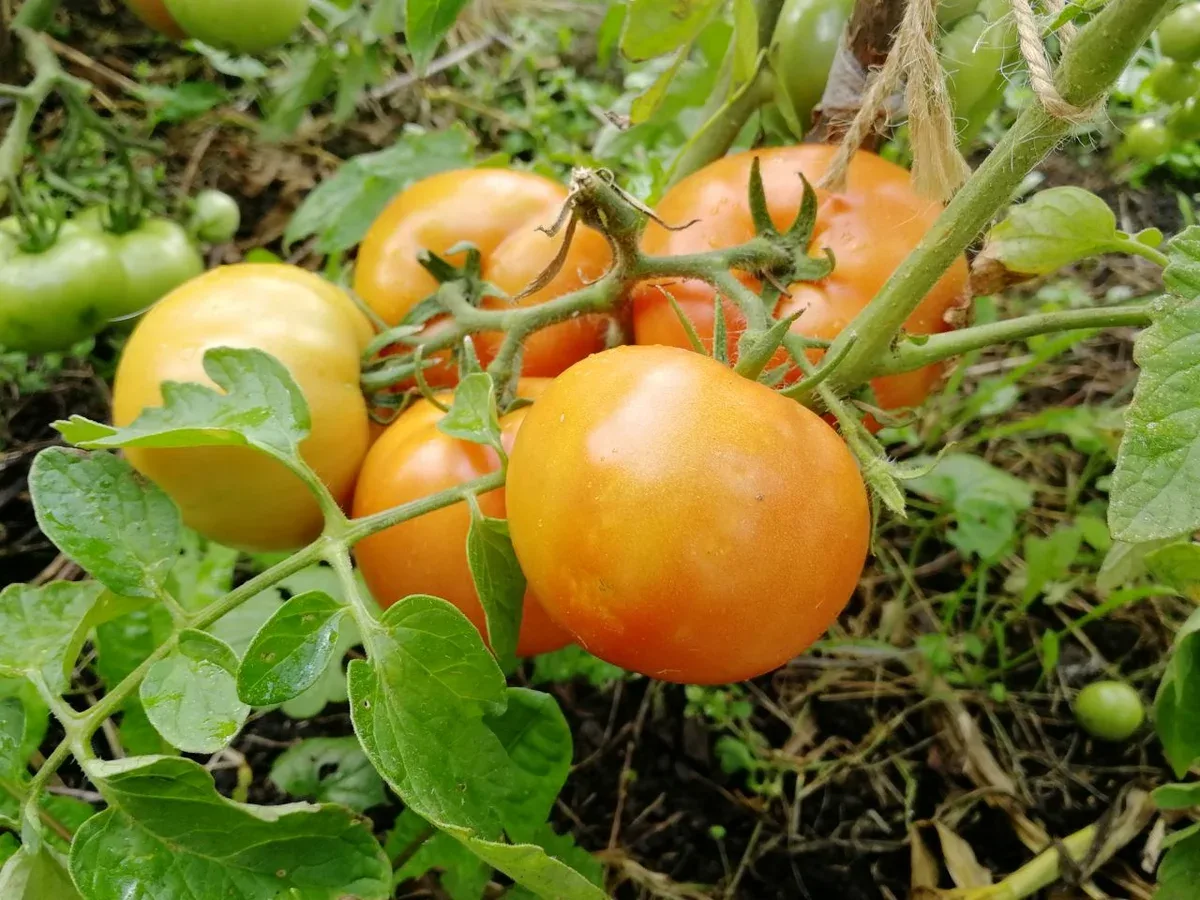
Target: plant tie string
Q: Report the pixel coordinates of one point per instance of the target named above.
(1041, 76)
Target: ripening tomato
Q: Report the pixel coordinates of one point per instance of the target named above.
(428, 555)
(236, 495)
(154, 13)
(682, 521)
(870, 226)
(499, 211)
(237, 25)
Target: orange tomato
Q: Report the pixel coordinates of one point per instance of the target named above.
(870, 226)
(154, 13)
(499, 211)
(428, 555)
(682, 521)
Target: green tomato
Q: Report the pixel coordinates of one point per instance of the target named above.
(1110, 710)
(56, 298)
(1146, 140)
(215, 217)
(807, 34)
(975, 54)
(246, 27)
(1179, 34)
(1184, 120)
(157, 256)
(1172, 81)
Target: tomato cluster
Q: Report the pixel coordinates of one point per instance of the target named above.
(230, 24)
(663, 508)
(1174, 83)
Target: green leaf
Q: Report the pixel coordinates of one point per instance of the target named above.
(12, 735)
(1049, 559)
(191, 696)
(464, 876)
(426, 24)
(1124, 563)
(1177, 796)
(1054, 228)
(39, 875)
(1155, 490)
(573, 662)
(330, 770)
(609, 32)
(472, 416)
(499, 582)
(291, 651)
(246, 68)
(745, 41)
(260, 406)
(1182, 273)
(537, 739)
(1175, 707)
(1177, 565)
(41, 626)
(118, 526)
(1050, 652)
(654, 28)
(170, 833)
(1179, 873)
(35, 712)
(341, 209)
(647, 103)
(186, 100)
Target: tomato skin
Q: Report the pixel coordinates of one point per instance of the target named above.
(682, 521)
(871, 226)
(1172, 81)
(1179, 34)
(238, 25)
(55, 298)
(236, 495)
(216, 216)
(427, 555)
(1147, 140)
(497, 210)
(1110, 710)
(154, 13)
(808, 32)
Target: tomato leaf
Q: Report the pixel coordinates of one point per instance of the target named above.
(426, 22)
(291, 650)
(1182, 274)
(12, 735)
(261, 406)
(1177, 796)
(499, 582)
(745, 41)
(118, 526)
(1177, 565)
(654, 28)
(646, 103)
(36, 875)
(1156, 484)
(330, 770)
(1054, 228)
(341, 209)
(168, 831)
(461, 872)
(41, 627)
(1179, 872)
(1178, 697)
(431, 709)
(1048, 559)
(191, 696)
(472, 416)
(609, 32)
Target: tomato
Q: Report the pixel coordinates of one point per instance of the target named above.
(52, 299)
(682, 521)
(428, 555)
(808, 33)
(870, 226)
(1147, 140)
(1110, 710)
(975, 54)
(154, 13)
(1179, 33)
(158, 256)
(236, 495)
(1172, 81)
(215, 217)
(499, 211)
(238, 25)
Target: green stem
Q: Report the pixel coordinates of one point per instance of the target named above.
(1091, 64)
(369, 525)
(36, 15)
(47, 75)
(1137, 248)
(912, 354)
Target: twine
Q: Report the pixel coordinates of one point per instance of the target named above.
(1041, 76)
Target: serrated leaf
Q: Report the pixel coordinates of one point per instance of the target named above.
(168, 832)
(654, 28)
(1177, 796)
(1182, 273)
(331, 770)
(1175, 707)
(291, 650)
(1179, 872)
(118, 526)
(1155, 491)
(1052, 229)
(1177, 565)
(39, 875)
(40, 625)
(12, 736)
(472, 416)
(499, 582)
(260, 406)
(426, 23)
(191, 696)
(342, 207)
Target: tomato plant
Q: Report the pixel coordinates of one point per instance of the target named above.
(628, 445)
(233, 494)
(870, 227)
(413, 459)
